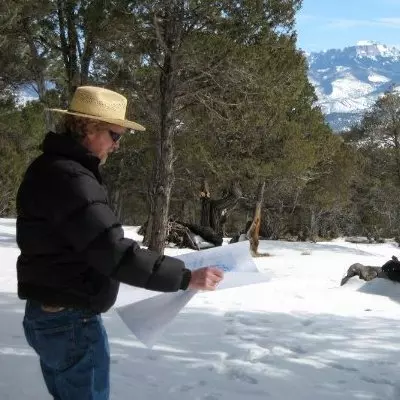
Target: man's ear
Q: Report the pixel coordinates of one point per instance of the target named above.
(90, 136)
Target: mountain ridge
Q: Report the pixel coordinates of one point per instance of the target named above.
(348, 81)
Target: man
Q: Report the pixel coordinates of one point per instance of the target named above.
(73, 250)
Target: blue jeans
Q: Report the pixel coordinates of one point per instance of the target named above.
(73, 349)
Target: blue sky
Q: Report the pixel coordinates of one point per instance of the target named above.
(327, 24)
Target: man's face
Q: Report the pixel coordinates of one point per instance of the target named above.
(102, 139)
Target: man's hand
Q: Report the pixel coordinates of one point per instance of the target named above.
(206, 278)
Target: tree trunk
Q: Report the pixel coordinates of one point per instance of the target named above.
(314, 224)
(76, 62)
(117, 203)
(169, 30)
(253, 234)
(87, 56)
(214, 212)
(38, 69)
(187, 211)
(396, 135)
(162, 185)
(205, 204)
(148, 227)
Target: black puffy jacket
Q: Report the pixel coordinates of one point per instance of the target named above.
(73, 250)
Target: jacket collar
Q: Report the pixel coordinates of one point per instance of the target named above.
(67, 147)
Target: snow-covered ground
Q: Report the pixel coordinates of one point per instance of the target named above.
(299, 336)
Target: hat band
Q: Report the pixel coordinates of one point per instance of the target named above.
(87, 115)
(81, 113)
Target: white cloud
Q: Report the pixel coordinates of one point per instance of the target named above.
(391, 22)
(306, 17)
(352, 23)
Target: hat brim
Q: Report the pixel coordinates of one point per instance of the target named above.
(120, 122)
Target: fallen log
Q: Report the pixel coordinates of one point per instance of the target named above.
(390, 270)
(192, 236)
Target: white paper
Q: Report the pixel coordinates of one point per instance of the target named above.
(148, 318)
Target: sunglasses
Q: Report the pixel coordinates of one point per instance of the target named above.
(116, 137)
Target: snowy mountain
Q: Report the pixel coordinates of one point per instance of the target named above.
(349, 81)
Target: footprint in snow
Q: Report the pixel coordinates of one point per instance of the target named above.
(210, 396)
(240, 375)
(248, 321)
(258, 355)
(230, 315)
(248, 338)
(298, 350)
(231, 331)
(152, 357)
(254, 355)
(383, 362)
(376, 381)
(181, 389)
(343, 367)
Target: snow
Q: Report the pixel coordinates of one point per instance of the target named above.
(350, 80)
(365, 43)
(373, 49)
(376, 78)
(341, 68)
(349, 84)
(348, 95)
(299, 336)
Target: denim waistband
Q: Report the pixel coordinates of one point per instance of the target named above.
(34, 310)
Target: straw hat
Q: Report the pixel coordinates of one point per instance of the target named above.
(100, 104)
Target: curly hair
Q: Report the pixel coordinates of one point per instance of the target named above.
(74, 127)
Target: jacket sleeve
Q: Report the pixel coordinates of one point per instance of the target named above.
(80, 213)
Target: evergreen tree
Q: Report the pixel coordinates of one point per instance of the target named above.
(375, 211)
